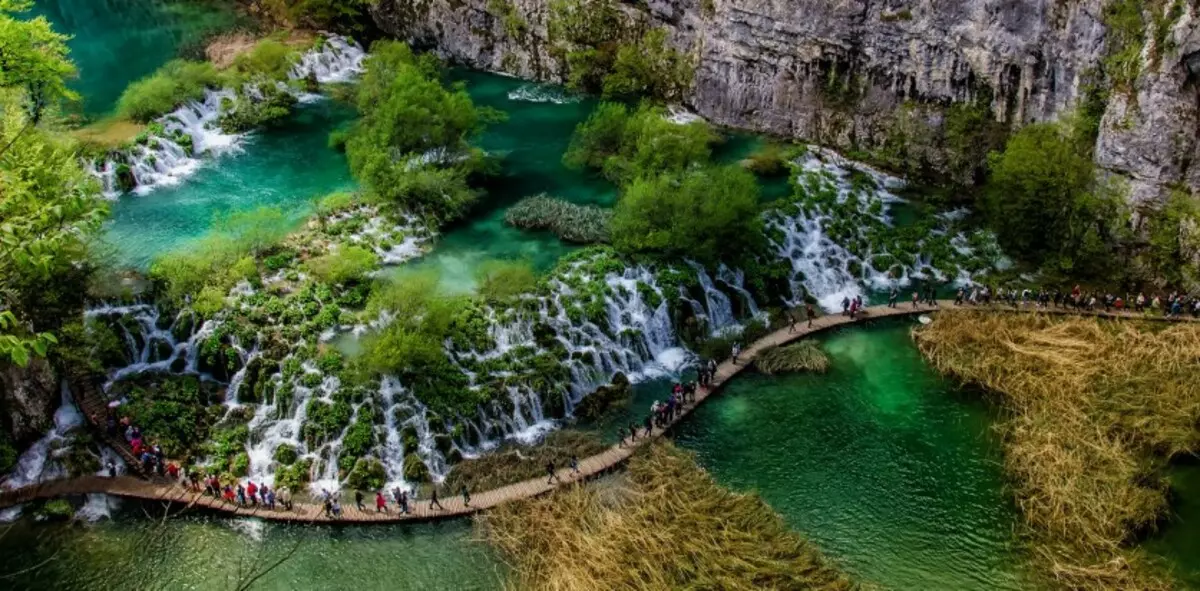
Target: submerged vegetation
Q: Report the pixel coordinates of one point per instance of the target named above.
(664, 524)
(515, 462)
(1096, 409)
(803, 356)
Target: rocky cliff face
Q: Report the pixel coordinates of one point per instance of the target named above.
(28, 397)
(839, 71)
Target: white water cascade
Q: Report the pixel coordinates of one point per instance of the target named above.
(719, 308)
(162, 160)
(37, 463)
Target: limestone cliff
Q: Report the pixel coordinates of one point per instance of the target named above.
(28, 397)
(851, 73)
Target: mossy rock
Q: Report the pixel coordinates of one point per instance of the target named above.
(454, 457)
(286, 454)
(436, 423)
(553, 404)
(605, 399)
(56, 509)
(415, 470)
(443, 443)
(240, 466)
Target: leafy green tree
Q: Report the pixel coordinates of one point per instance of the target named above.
(627, 146)
(1048, 207)
(175, 83)
(706, 214)
(411, 144)
(33, 58)
(1171, 246)
(650, 68)
(49, 211)
(345, 265)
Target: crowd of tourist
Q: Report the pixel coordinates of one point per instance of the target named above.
(1173, 305)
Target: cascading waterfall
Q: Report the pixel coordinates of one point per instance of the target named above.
(165, 159)
(719, 308)
(37, 464)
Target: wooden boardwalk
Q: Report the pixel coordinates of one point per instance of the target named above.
(157, 489)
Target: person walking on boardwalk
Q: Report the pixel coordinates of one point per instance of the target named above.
(791, 322)
(736, 350)
(575, 465)
(380, 502)
(433, 500)
(893, 296)
(252, 490)
(632, 432)
(550, 472)
(358, 499)
(845, 306)
(285, 498)
(959, 296)
(270, 500)
(241, 495)
(916, 299)
(466, 495)
(404, 502)
(808, 311)
(649, 423)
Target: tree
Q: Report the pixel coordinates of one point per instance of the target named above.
(49, 211)
(706, 214)
(627, 146)
(33, 58)
(1048, 207)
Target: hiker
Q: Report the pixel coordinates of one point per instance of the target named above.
(808, 310)
(433, 500)
(285, 498)
(336, 507)
(791, 322)
(550, 472)
(845, 306)
(466, 495)
(933, 296)
(380, 502)
(632, 432)
(270, 500)
(853, 309)
(649, 423)
(358, 499)
(689, 392)
(228, 494)
(895, 293)
(112, 469)
(252, 490)
(241, 495)
(575, 465)
(915, 299)
(263, 491)
(404, 502)
(736, 350)
(620, 436)
(194, 479)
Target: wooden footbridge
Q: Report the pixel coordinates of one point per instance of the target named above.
(159, 489)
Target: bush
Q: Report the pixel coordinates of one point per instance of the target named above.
(285, 454)
(704, 214)
(627, 146)
(367, 474)
(345, 265)
(571, 222)
(173, 412)
(270, 58)
(175, 83)
(501, 280)
(414, 469)
(803, 356)
(248, 112)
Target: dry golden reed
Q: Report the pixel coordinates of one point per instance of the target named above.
(805, 355)
(662, 525)
(1095, 408)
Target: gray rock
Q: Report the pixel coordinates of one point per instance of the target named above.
(28, 398)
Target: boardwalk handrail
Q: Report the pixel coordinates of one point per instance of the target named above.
(161, 489)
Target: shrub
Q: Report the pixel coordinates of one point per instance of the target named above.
(175, 83)
(367, 474)
(501, 280)
(627, 146)
(345, 265)
(703, 214)
(248, 112)
(270, 58)
(571, 222)
(803, 356)
(285, 454)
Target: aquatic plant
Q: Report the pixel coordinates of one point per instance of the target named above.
(663, 525)
(1095, 409)
(805, 355)
(516, 461)
(581, 224)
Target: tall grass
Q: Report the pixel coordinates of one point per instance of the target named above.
(515, 462)
(805, 355)
(177, 82)
(1095, 410)
(665, 525)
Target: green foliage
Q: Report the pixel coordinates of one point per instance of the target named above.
(368, 474)
(294, 476)
(414, 469)
(285, 454)
(1172, 247)
(33, 60)
(1125, 35)
(173, 412)
(411, 144)
(650, 68)
(8, 453)
(704, 214)
(626, 145)
(175, 83)
(514, 25)
(1047, 206)
(348, 264)
(501, 280)
(248, 113)
(337, 15)
(772, 159)
(270, 58)
(571, 222)
(49, 211)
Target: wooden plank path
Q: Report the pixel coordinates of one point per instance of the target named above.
(158, 489)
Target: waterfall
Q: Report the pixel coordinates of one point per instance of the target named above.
(338, 59)
(736, 279)
(146, 347)
(37, 464)
(192, 132)
(719, 307)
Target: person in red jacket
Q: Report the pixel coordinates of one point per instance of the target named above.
(252, 492)
(380, 503)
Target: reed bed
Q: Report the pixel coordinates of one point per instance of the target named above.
(1095, 410)
(664, 524)
(805, 355)
(582, 224)
(515, 462)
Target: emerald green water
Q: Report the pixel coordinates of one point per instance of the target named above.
(288, 167)
(884, 465)
(118, 41)
(133, 552)
(1179, 542)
